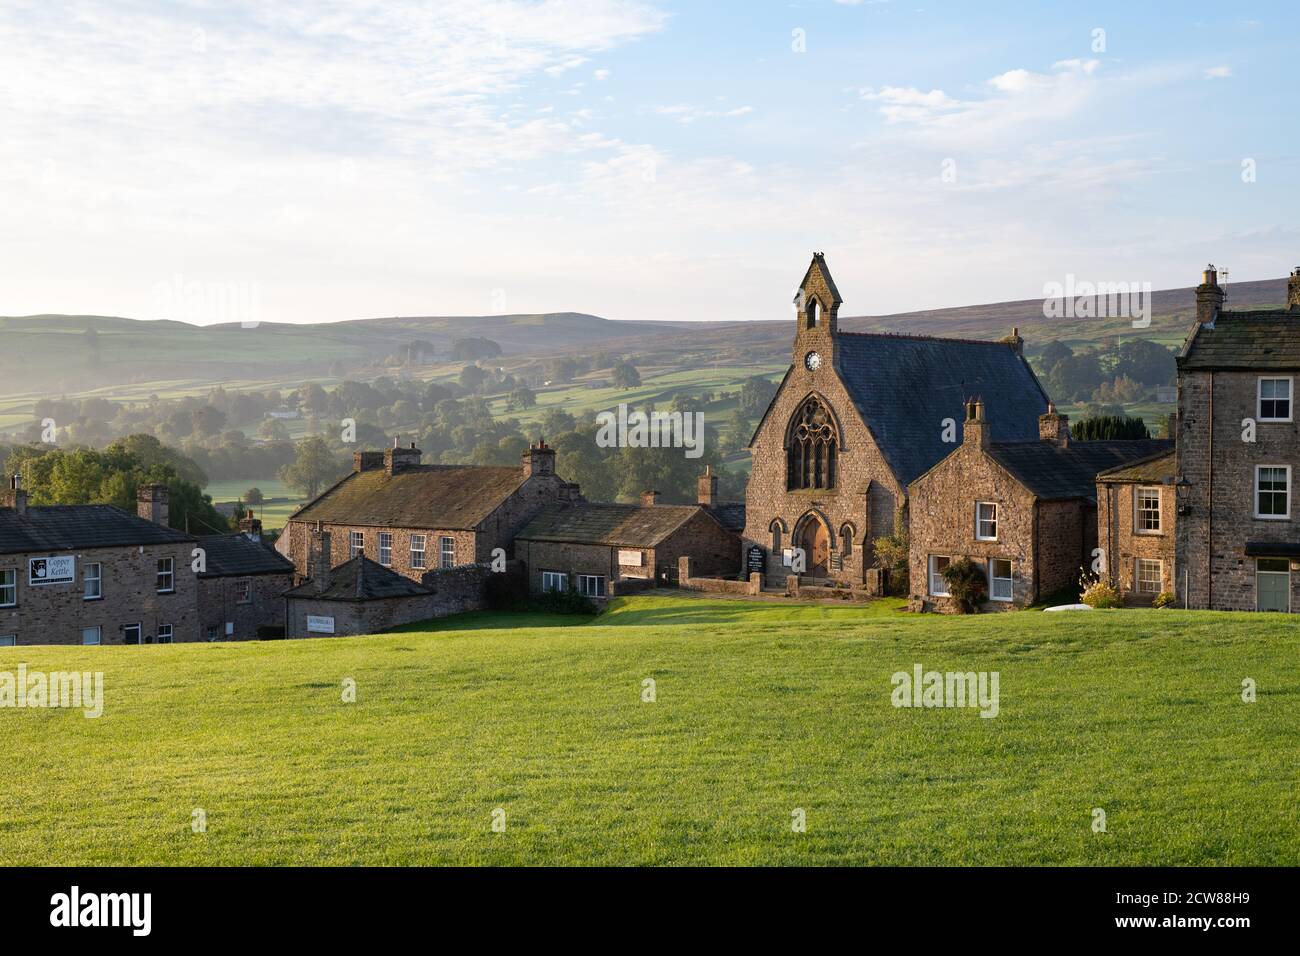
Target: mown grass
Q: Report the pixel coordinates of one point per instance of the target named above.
(760, 709)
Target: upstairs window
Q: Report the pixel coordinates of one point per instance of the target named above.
(417, 550)
(1148, 511)
(385, 549)
(447, 552)
(165, 580)
(1273, 492)
(1274, 400)
(812, 447)
(356, 543)
(92, 577)
(244, 591)
(986, 521)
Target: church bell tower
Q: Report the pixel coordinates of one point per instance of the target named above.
(817, 307)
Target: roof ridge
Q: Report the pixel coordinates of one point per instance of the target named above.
(926, 338)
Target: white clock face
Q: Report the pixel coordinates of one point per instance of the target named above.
(812, 361)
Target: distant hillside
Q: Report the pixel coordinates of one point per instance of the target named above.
(63, 354)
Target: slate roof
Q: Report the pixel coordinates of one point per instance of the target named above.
(442, 497)
(360, 579)
(729, 514)
(636, 526)
(237, 555)
(904, 386)
(1154, 469)
(76, 527)
(1054, 472)
(1264, 339)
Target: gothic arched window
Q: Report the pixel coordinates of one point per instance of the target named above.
(811, 447)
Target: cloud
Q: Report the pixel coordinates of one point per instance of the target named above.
(687, 113)
(1218, 72)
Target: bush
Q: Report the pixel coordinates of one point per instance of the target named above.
(891, 557)
(1164, 599)
(1098, 593)
(966, 584)
(564, 602)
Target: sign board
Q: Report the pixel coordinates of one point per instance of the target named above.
(56, 570)
(632, 558)
(755, 560)
(320, 625)
(787, 557)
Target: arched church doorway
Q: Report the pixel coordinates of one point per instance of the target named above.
(815, 539)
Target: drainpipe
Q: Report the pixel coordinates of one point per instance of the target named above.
(1209, 512)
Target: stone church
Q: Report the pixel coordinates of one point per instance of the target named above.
(858, 417)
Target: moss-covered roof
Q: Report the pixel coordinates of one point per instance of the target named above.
(1264, 339)
(440, 497)
(637, 526)
(1154, 469)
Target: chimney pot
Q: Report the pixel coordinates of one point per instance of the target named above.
(649, 499)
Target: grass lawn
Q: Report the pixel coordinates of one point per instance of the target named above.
(761, 708)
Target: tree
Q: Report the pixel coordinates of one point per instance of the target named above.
(473, 349)
(556, 421)
(472, 378)
(272, 429)
(625, 375)
(1053, 353)
(966, 584)
(756, 394)
(313, 466)
(521, 397)
(1075, 378)
(563, 369)
(1109, 427)
(1149, 363)
(253, 497)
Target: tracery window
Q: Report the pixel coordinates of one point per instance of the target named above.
(812, 447)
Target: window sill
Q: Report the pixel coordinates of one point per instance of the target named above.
(167, 591)
(1272, 517)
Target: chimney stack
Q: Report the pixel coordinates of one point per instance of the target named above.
(1016, 341)
(367, 460)
(398, 460)
(1293, 289)
(649, 499)
(539, 459)
(151, 503)
(1054, 426)
(975, 430)
(319, 560)
(707, 486)
(250, 526)
(15, 496)
(1209, 296)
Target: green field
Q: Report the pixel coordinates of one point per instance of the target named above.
(280, 500)
(761, 709)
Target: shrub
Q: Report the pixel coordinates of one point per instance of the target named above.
(891, 557)
(1098, 593)
(966, 584)
(564, 602)
(1164, 599)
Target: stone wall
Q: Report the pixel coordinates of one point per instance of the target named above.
(1220, 469)
(452, 591)
(57, 613)
(689, 581)
(1123, 544)
(942, 522)
(219, 605)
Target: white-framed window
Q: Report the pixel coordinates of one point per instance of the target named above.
(214, 632)
(417, 550)
(591, 585)
(244, 591)
(131, 633)
(92, 635)
(1000, 586)
(92, 581)
(1146, 513)
(356, 543)
(986, 520)
(8, 640)
(164, 633)
(1274, 400)
(938, 586)
(165, 582)
(385, 549)
(1272, 584)
(446, 552)
(555, 581)
(1148, 576)
(8, 587)
(1273, 492)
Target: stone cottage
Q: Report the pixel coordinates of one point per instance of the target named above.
(1136, 523)
(857, 418)
(1238, 543)
(1025, 511)
(242, 585)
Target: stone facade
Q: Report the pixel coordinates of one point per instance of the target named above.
(451, 591)
(1229, 554)
(241, 608)
(1126, 542)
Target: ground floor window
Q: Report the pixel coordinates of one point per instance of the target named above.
(92, 635)
(999, 579)
(214, 632)
(164, 633)
(8, 640)
(130, 633)
(1148, 577)
(591, 585)
(1272, 584)
(555, 581)
(938, 586)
